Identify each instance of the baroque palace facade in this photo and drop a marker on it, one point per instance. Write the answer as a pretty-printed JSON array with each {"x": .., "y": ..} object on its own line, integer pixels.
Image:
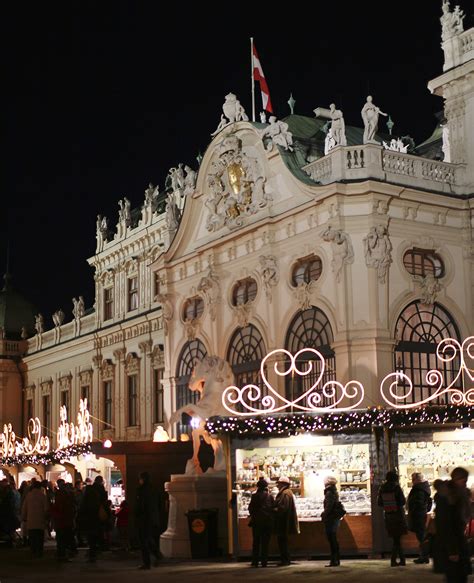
[{"x": 292, "y": 234}]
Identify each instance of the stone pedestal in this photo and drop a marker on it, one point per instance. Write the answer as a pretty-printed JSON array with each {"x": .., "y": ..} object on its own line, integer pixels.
[{"x": 193, "y": 493}]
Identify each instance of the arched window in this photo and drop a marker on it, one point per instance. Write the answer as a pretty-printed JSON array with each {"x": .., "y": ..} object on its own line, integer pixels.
[
  {"x": 310, "y": 329},
  {"x": 245, "y": 354},
  {"x": 423, "y": 262},
  {"x": 192, "y": 352},
  {"x": 419, "y": 330},
  {"x": 193, "y": 308},
  {"x": 244, "y": 291},
  {"x": 306, "y": 269}
]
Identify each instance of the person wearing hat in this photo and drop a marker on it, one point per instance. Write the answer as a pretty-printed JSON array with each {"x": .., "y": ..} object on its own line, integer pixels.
[
  {"x": 392, "y": 499},
  {"x": 452, "y": 515},
  {"x": 261, "y": 521},
  {"x": 286, "y": 522},
  {"x": 331, "y": 517}
]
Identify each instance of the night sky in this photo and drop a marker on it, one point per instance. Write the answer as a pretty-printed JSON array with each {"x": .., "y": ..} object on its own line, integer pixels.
[{"x": 102, "y": 97}]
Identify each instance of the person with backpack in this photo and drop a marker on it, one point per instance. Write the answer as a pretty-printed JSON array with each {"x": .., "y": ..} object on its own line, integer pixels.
[
  {"x": 419, "y": 504},
  {"x": 261, "y": 521},
  {"x": 392, "y": 499},
  {"x": 331, "y": 516}
]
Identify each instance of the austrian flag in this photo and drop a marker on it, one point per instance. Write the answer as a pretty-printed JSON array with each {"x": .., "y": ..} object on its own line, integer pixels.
[{"x": 260, "y": 77}]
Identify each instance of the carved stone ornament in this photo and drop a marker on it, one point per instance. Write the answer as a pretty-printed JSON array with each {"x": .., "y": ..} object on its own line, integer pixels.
[
  {"x": 342, "y": 250},
  {"x": 30, "y": 391},
  {"x": 236, "y": 186},
  {"x": 378, "y": 251},
  {"x": 167, "y": 310},
  {"x": 430, "y": 287},
  {"x": 85, "y": 377},
  {"x": 303, "y": 292},
  {"x": 157, "y": 357},
  {"x": 132, "y": 363},
  {"x": 270, "y": 273},
  {"x": 65, "y": 382},
  {"x": 191, "y": 328},
  {"x": 107, "y": 369},
  {"x": 243, "y": 313},
  {"x": 232, "y": 112},
  {"x": 210, "y": 289},
  {"x": 451, "y": 22},
  {"x": 145, "y": 346},
  {"x": 46, "y": 387}
]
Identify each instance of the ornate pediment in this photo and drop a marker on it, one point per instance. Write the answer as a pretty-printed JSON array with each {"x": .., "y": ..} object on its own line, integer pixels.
[
  {"x": 107, "y": 369},
  {"x": 65, "y": 382},
  {"x": 132, "y": 363},
  {"x": 236, "y": 185}
]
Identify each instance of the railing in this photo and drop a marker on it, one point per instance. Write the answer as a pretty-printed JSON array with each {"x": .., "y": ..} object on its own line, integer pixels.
[
  {"x": 371, "y": 161},
  {"x": 467, "y": 41},
  {"x": 10, "y": 347}
]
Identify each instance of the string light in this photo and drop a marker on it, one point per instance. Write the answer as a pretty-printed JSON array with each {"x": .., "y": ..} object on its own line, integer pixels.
[{"x": 336, "y": 422}]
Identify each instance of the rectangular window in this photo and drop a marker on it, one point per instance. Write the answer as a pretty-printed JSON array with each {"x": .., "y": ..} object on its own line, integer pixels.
[
  {"x": 132, "y": 400},
  {"x": 65, "y": 400},
  {"x": 156, "y": 284},
  {"x": 108, "y": 303},
  {"x": 158, "y": 416},
  {"x": 85, "y": 394},
  {"x": 108, "y": 404},
  {"x": 47, "y": 415},
  {"x": 132, "y": 293}
]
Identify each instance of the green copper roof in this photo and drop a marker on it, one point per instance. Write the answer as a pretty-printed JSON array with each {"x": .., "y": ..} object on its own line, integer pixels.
[{"x": 15, "y": 311}]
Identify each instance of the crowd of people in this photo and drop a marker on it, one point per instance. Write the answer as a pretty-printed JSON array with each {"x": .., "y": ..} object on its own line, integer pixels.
[
  {"x": 81, "y": 515},
  {"x": 444, "y": 536}
]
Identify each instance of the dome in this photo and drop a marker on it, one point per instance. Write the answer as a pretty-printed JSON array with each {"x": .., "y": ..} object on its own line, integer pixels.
[{"x": 15, "y": 311}]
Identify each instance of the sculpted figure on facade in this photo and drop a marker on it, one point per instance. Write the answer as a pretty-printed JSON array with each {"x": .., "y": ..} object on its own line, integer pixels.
[
  {"x": 171, "y": 213},
  {"x": 236, "y": 184},
  {"x": 303, "y": 292},
  {"x": 338, "y": 126},
  {"x": 233, "y": 112},
  {"x": 342, "y": 250},
  {"x": 270, "y": 273},
  {"x": 451, "y": 22},
  {"x": 39, "y": 324},
  {"x": 78, "y": 309},
  {"x": 58, "y": 318},
  {"x": 151, "y": 194},
  {"x": 189, "y": 183},
  {"x": 167, "y": 310},
  {"x": 446, "y": 147},
  {"x": 430, "y": 288},
  {"x": 210, "y": 288},
  {"x": 175, "y": 179},
  {"x": 125, "y": 215},
  {"x": 378, "y": 251},
  {"x": 329, "y": 142},
  {"x": 277, "y": 133},
  {"x": 370, "y": 116},
  {"x": 102, "y": 230}
]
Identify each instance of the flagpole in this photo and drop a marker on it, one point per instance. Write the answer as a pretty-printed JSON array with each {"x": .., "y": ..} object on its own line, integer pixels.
[{"x": 252, "y": 80}]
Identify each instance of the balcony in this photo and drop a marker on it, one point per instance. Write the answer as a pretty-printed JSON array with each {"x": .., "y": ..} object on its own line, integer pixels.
[{"x": 369, "y": 161}]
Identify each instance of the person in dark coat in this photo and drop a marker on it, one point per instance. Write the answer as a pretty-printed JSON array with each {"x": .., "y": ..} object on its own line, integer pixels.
[
  {"x": 261, "y": 520},
  {"x": 91, "y": 515},
  {"x": 147, "y": 520},
  {"x": 452, "y": 514},
  {"x": 392, "y": 500},
  {"x": 286, "y": 521},
  {"x": 63, "y": 511},
  {"x": 419, "y": 504},
  {"x": 331, "y": 517}
]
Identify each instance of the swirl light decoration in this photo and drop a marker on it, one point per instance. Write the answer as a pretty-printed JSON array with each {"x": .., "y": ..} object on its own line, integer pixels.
[
  {"x": 312, "y": 400},
  {"x": 35, "y": 442},
  {"x": 70, "y": 434},
  {"x": 446, "y": 351}
]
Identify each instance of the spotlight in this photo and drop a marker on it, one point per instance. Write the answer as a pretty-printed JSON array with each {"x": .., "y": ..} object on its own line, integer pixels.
[{"x": 107, "y": 443}]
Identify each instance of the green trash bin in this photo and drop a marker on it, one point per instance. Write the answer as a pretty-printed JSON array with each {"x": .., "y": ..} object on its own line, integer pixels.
[{"x": 203, "y": 532}]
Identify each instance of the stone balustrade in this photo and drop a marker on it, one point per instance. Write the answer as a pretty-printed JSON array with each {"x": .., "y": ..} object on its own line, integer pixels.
[{"x": 370, "y": 161}]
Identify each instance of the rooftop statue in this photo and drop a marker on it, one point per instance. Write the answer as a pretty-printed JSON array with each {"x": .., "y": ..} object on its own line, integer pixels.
[
  {"x": 395, "y": 145},
  {"x": 58, "y": 318},
  {"x": 278, "y": 134},
  {"x": 451, "y": 22},
  {"x": 171, "y": 213},
  {"x": 446, "y": 147},
  {"x": 189, "y": 181},
  {"x": 124, "y": 211},
  {"x": 338, "y": 127},
  {"x": 78, "y": 309},
  {"x": 151, "y": 194},
  {"x": 329, "y": 142},
  {"x": 233, "y": 112},
  {"x": 210, "y": 377},
  {"x": 370, "y": 115},
  {"x": 175, "y": 178},
  {"x": 39, "y": 324}
]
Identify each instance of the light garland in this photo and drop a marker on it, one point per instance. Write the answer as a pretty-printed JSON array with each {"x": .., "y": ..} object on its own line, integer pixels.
[
  {"x": 70, "y": 434},
  {"x": 52, "y": 457},
  {"x": 352, "y": 421}
]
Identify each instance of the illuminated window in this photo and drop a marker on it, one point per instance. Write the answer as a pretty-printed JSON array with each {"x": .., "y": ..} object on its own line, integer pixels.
[
  {"x": 307, "y": 269},
  {"x": 193, "y": 308},
  {"x": 108, "y": 303},
  {"x": 132, "y": 293},
  {"x": 244, "y": 291},
  {"x": 423, "y": 262}
]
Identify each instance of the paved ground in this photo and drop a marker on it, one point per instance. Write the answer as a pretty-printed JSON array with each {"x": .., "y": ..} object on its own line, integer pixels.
[{"x": 17, "y": 566}]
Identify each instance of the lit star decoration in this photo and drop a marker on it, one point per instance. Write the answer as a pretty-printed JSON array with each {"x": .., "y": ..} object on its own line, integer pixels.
[{"x": 352, "y": 421}]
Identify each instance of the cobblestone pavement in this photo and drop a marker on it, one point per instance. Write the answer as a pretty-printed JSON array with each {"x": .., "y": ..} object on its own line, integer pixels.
[{"x": 17, "y": 566}]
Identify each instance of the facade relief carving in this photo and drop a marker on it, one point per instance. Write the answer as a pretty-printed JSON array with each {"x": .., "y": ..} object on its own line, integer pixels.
[
  {"x": 191, "y": 328},
  {"x": 430, "y": 287},
  {"x": 270, "y": 273},
  {"x": 107, "y": 369},
  {"x": 243, "y": 313},
  {"x": 85, "y": 377},
  {"x": 342, "y": 250},
  {"x": 236, "y": 186},
  {"x": 46, "y": 387},
  {"x": 167, "y": 309},
  {"x": 209, "y": 287},
  {"x": 145, "y": 346},
  {"x": 303, "y": 294},
  {"x": 65, "y": 382},
  {"x": 158, "y": 357},
  {"x": 132, "y": 364},
  {"x": 378, "y": 251}
]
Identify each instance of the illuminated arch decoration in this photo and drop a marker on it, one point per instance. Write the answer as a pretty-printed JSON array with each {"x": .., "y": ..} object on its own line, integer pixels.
[
  {"x": 331, "y": 396},
  {"x": 397, "y": 386}
]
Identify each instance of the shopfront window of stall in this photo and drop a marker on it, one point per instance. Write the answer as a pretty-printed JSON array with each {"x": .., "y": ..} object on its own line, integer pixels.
[
  {"x": 437, "y": 459},
  {"x": 419, "y": 329},
  {"x": 116, "y": 490},
  {"x": 310, "y": 329},
  {"x": 307, "y": 466},
  {"x": 192, "y": 352},
  {"x": 245, "y": 354}
]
